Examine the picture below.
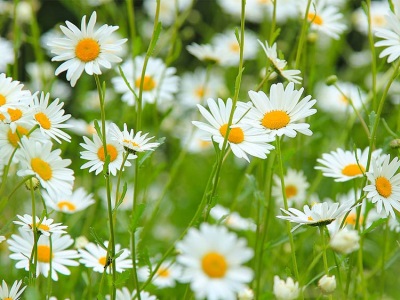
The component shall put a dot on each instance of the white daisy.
(206, 52)
(232, 219)
(7, 54)
(212, 261)
(50, 117)
(85, 49)
(37, 159)
(319, 214)
(95, 155)
(345, 165)
(18, 115)
(390, 36)
(194, 141)
(69, 203)
(125, 294)
(159, 83)
(378, 11)
(21, 246)
(11, 93)
(345, 241)
(166, 275)
(94, 256)
(279, 65)
(384, 187)
(286, 290)
(325, 18)
(44, 226)
(296, 186)
(14, 293)
(130, 141)
(282, 112)
(242, 138)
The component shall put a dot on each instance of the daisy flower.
(378, 11)
(85, 49)
(231, 219)
(345, 165)
(130, 141)
(45, 226)
(95, 257)
(384, 187)
(47, 166)
(296, 186)
(7, 54)
(11, 93)
(14, 293)
(159, 82)
(242, 138)
(286, 290)
(279, 65)
(318, 215)
(212, 261)
(166, 275)
(18, 115)
(94, 153)
(125, 294)
(21, 245)
(206, 52)
(325, 18)
(281, 113)
(50, 117)
(69, 203)
(345, 241)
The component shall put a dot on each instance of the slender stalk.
(17, 39)
(385, 246)
(273, 23)
(34, 255)
(323, 230)
(373, 55)
(302, 35)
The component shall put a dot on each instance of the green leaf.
(122, 278)
(121, 198)
(373, 226)
(372, 120)
(136, 216)
(97, 238)
(98, 130)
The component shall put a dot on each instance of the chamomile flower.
(7, 54)
(232, 219)
(296, 186)
(206, 52)
(159, 82)
(21, 245)
(279, 65)
(242, 139)
(14, 293)
(130, 141)
(384, 187)
(11, 93)
(45, 226)
(378, 11)
(326, 18)
(125, 294)
(46, 165)
(50, 117)
(282, 112)
(345, 165)
(212, 260)
(85, 49)
(95, 257)
(317, 215)
(94, 153)
(69, 203)
(19, 115)
(286, 290)
(166, 275)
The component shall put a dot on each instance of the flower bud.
(331, 80)
(345, 241)
(395, 144)
(327, 284)
(288, 290)
(35, 183)
(246, 294)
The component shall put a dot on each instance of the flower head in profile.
(95, 257)
(125, 294)
(69, 203)
(46, 165)
(130, 141)
(12, 93)
(232, 219)
(286, 290)
(7, 54)
(44, 226)
(54, 252)
(384, 187)
(166, 275)
(14, 293)
(212, 260)
(280, 64)
(242, 137)
(86, 49)
(281, 113)
(345, 241)
(206, 52)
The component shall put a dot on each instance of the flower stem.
(302, 35)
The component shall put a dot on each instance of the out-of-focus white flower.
(327, 284)
(345, 241)
(286, 290)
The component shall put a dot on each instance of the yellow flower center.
(309, 218)
(42, 227)
(163, 272)
(214, 265)
(8, 298)
(234, 47)
(236, 134)
(291, 191)
(378, 20)
(315, 18)
(15, 114)
(200, 92)
(111, 150)
(42, 168)
(148, 83)
(43, 253)
(353, 170)
(66, 204)
(3, 100)
(13, 138)
(87, 49)
(103, 260)
(43, 120)
(352, 218)
(383, 186)
(343, 99)
(275, 119)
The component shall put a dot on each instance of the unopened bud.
(312, 37)
(395, 144)
(35, 183)
(327, 284)
(331, 80)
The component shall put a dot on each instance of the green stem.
(302, 35)
(373, 55)
(385, 246)
(34, 254)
